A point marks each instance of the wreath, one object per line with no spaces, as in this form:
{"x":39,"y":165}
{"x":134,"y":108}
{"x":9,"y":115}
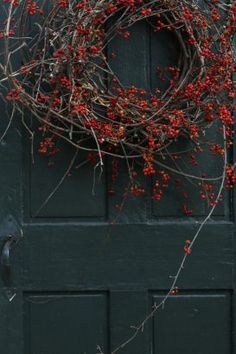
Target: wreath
{"x":68,"y":85}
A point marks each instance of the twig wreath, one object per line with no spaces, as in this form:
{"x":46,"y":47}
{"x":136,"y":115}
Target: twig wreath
{"x":66,"y":83}
{"x":69,"y":87}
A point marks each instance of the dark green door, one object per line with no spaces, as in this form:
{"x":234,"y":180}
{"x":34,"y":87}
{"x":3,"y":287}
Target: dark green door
{"x":76,"y":284}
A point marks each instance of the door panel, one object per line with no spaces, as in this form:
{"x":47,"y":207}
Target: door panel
{"x":174,"y":198}
{"x":61,"y":323}
{"x":83,"y":192}
{"x":204,"y":326}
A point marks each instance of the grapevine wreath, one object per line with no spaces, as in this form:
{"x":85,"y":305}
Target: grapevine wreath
{"x":66,"y":83}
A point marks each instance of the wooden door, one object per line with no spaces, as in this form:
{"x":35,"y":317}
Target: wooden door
{"x":76,"y":284}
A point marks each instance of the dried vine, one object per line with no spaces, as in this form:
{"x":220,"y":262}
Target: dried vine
{"x":68,"y":85}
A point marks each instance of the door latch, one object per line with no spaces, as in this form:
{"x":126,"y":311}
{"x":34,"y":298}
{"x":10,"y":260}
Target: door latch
{"x":6,"y":270}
